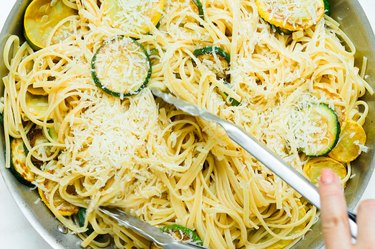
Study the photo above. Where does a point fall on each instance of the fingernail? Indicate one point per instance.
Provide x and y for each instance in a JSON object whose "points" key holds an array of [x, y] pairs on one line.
{"points": [[327, 177]]}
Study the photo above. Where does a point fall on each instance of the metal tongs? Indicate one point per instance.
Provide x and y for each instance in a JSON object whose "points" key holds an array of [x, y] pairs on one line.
{"points": [[252, 146], [147, 231], [274, 163]]}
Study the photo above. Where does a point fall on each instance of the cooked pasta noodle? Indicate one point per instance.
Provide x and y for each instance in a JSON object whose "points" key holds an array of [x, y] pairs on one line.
{"points": [[158, 163]]}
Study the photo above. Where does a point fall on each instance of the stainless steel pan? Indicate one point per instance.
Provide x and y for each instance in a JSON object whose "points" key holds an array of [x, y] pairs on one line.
{"points": [[354, 23]]}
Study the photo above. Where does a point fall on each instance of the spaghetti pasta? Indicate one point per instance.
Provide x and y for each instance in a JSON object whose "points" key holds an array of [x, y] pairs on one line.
{"points": [[157, 163]]}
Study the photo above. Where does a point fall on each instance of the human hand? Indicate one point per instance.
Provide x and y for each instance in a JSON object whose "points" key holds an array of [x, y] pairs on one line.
{"points": [[334, 216]]}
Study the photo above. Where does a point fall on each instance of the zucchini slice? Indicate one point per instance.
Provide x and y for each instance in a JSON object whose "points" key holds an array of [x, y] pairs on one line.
{"points": [[318, 131], [63, 207], [198, 7], [133, 15], [218, 61], [327, 7], [233, 101], [332, 99], [350, 145], [230, 100], [53, 134], [81, 217], [291, 15], [181, 233], [314, 167], [212, 50], [215, 58], [121, 67], [18, 166], [41, 17], [37, 105]]}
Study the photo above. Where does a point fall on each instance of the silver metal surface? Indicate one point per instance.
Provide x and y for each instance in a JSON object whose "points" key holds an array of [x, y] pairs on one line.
{"points": [[257, 150], [62, 229], [149, 232], [354, 22]]}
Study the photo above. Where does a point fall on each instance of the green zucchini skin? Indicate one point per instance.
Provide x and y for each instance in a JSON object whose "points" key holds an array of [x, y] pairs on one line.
{"points": [[231, 100], [184, 230], [19, 177], [334, 128], [32, 45], [81, 217], [97, 81], [199, 5], [217, 50], [327, 7], [212, 50], [15, 167]]}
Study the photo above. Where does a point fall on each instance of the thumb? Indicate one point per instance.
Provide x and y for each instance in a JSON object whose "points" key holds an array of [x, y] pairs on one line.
{"points": [[334, 212]]}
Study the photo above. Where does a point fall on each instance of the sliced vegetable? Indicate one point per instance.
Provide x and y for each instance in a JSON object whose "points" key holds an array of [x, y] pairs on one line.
{"points": [[233, 101], [215, 58], [18, 166], [37, 105], [183, 233], [199, 8], [41, 17], [121, 67], [327, 7], [81, 217], [319, 131], [63, 207], [53, 134], [314, 167], [351, 143], [218, 61], [230, 100], [333, 100], [212, 50], [134, 15], [291, 15]]}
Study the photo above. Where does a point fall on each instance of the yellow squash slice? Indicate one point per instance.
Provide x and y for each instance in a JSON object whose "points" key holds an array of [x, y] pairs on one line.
{"points": [[352, 139], [41, 17], [314, 168], [133, 15], [64, 207], [291, 15]]}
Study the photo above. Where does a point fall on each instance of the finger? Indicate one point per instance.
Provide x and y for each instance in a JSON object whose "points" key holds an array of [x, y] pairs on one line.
{"points": [[334, 212], [366, 224]]}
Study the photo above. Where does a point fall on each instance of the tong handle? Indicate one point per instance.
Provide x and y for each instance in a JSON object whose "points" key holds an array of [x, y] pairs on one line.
{"points": [[287, 173]]}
